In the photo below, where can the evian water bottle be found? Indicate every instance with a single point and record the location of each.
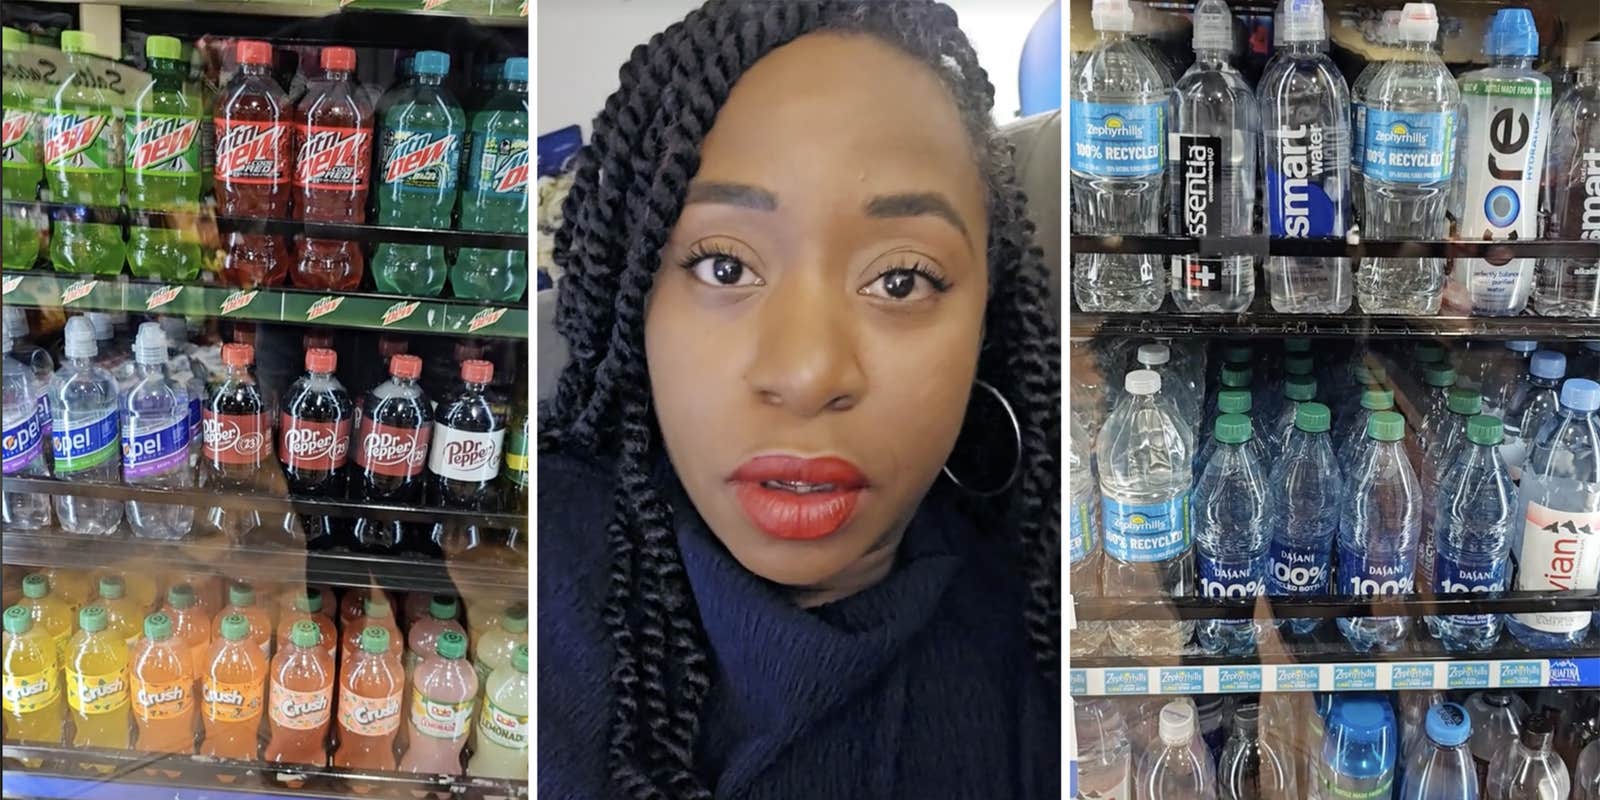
(1571, 286)
(391, 450)
(467, 437)
(314, 432)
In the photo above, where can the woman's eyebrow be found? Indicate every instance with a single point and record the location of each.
(732, 194)
(915, 204)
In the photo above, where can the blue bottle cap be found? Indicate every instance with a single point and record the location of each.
(431, 62)
(1364, 721)
(516, 69)
(1581, 394)
(1522, 345)
(1448, 725)
(1512, 33)
(1548, 364)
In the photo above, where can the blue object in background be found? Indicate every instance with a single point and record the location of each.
(558, 147)
(1039, 74)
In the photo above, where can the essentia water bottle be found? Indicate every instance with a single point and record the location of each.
(1231, 534)
(163, 166)
(333, 131)
(314, 430)
(495, 197)
(1505, 126)
(1118, 135)
(83, 163)
(84, 432)
(1305, 123)
(237, 430)
(468, 435)
(1570, 287)
(155, 439)
(24, 444)
(391, 450)
(1476, 512)
(1303, 518)
(1410, 151)
(1560, 501)
(1379, 523)
(420, 165)
(253, 165)
(22, 168)
(1215, 131)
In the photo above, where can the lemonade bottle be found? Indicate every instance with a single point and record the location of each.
(495, 647)
(235, 691)
(370, 687)
(47, 611)
(443, 611)
(190, 625)
(97, 682)
(123, 615)
(307, 607)
(502, 741)
(443, 698)
(301, 699)
(32, 681)
(242, 601)
(162, 679)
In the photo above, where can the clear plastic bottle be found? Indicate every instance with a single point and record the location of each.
(1360, 748)
(1439, 767)
(1305, 122)
(155, 439)
(1173, 769)
(1496, 725)
(1230, 401)
(191, 373)
(1504, 374)
(1477, 506)
(501, 749)
(1438, 378)
(1529, 769)
(1534, 399)
(1379, 523)
(1117, 137)
(1373, 401)
(1177, 390)
(1450, 436)
(1570, 287)
(1303, 518)
(1105, 765)
(1253, 765)
(1388, 40)
(1586, 777)
(1231, 534)
(1084, 555)
(24, 444)
(1296, 390)
(1410, 150)
(84, 432)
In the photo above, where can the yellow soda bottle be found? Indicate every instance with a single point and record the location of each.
(97, 683)
(138, 584)
(123, 614)
(71, 586)
(48, 611)
(32, 681)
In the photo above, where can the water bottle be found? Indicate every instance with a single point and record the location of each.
(1534, 401)
(1118, 131)
(155, 439)
(1212, 157)
(1176, 388)
(1504, 374)
(1173, 769)
(1412, 708)
(1303, 518)
(1477, 507)
(1441, 766)
(1438, 378)
(192, 374)
(1388, 40)
(1570, 287)
(1449, 437)
(1560, 501)
(1083, 537)
(1529, 769)
(1409, 149)
(1379, 523)
(1348, 419)
(1212, 713)
(1496, 725)
(1360, 748)
(1231, 401)
(24, 445)
(1254, 766)
(1230, 533)
(84, 433)
(1105, 770)
(1373, 401)
(1296, 390)
(1305, 122)
(1144, 463)
(1586, 778)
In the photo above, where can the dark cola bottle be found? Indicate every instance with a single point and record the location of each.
(464, 460)
(236, 451)
(391, 452)
(314, 443)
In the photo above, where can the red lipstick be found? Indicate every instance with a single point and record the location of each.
(788, 497)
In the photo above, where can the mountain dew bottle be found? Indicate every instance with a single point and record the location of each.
(22, 165)
(421, 165)
(496, 195)
(83, 164)
(163, 166)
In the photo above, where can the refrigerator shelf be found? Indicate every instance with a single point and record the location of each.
(1332, 607)
(1353, 247)
(501, 13)
(1264, 322)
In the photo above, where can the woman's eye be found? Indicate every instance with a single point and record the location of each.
(901, 284)
(724, 271)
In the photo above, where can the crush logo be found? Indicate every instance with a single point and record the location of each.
(154, 142)
(67, 135)
(171, 694)
(227, 697)
(332, 157)
(1401, 133)
(1300, 166)
(16, 127)
(372, 714)
(111, 688)
(1114, 126)
(511, 174)
(294, 709)
(416, 153)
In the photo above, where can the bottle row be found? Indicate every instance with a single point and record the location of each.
(269, 679)
(1496, 745)
(1312, 482)
(1304, 155)
(265, 157)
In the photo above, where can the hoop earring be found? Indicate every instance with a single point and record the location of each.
(1016, 465)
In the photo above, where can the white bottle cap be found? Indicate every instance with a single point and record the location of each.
(101, 323)
(1177, 723)
(1419, 22)
(16, 322)
(150, 345)
(1153, 355)
(1301, 21)
(1213, 26)
(79, 339)
(1142, 382)
(1112, 15)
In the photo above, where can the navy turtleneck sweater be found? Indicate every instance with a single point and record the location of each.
(922, 686)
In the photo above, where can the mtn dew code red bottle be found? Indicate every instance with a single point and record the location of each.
(421, 163)
(83, 164)
(253, 163)
(333, 129)
(163, 166)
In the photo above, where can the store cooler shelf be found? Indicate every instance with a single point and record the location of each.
(482, 12)
(1333, 606)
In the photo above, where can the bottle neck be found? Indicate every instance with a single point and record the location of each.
(476, 388)
(429, 80)
(1512, 62)
(1414, 50)
(337, 74)
(1304, 47)
(1211, 57)
(255, 70)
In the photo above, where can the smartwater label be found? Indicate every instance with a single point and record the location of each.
(1117, 140)
(1508, 128)
(1143, 533)
(1304, 197)
(1408, 147)
(157, 451)
(1453, 577)
(1361, 575)
(1080, 530)
(80, 445)
(1230, 578)
(1560, 551)
(1294, 570)
(23, 441)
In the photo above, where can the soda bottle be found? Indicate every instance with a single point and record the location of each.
(514, 475)
(32, 680)
(49, 611)
(301, 698)
(162, 680)
(238, 440)
(123, 614)
(155, 439)
(315, 429)
(421, 162)
(24, 441)
(1476, 513)
(375, 613)
(1439, 767)
(235, 688)
(391, 451)
(467, 438)
(353, 605)
(443, 615)
(82, 149)
(325, 605)
(502, 740)
(191, 626)
(242, 603)
(1231, 537)
(308, 606)
(1379, 522)
(1570, 287)
(254, 124)
(494, 648)
(333, 125)
(1529, 768)
(84, 433)
(443, 697)
(22, 166)
(495, 197)
(371, 684)
(97, 683)
(163, 167)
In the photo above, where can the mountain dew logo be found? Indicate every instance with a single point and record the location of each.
(410, 155)
(18, 123)
(511, 174)
(69, 136)
(170, 142)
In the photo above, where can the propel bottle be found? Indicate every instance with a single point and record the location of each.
(1506, 122)
(1305, 124)
(333, 127)
(1570, 287)
(22, 168)
(391, 451)
(496, 194)
(83, 431)
(421, 164)
(254, 160)
(467, 438)
(314, 431)
(83, 164)
(163, 167)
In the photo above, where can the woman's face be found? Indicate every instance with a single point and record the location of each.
(813, 332)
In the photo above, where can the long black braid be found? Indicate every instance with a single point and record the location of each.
(627, 193)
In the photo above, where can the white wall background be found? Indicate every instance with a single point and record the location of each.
(582, 43)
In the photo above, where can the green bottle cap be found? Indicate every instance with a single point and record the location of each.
(1233, 429)
(1439, 376)
(1466, 402)
(1429, 353)
(451, 645)
(242, 595)
(157, 626)
(18, 620)
(516, 619)
(376, 607)
(35, 585)
(1485, 430)
(1238, 354)
(166, 47)
(519, 659)
(1300, 388)
(111, 587)
(77, 42)
(374, 639)
(15, 39)
(1377, 399)
(234, 627)
(442, 606)
(1298, 365)
(1386, 426)
(92, 619)
(180, 596)
(1297, 345)
(1370, 374)
(1233, 401)
(309, 602)
(1312, 417)
(305, 633)
(1236, 377)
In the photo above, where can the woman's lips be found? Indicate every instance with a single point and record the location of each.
(794, 498)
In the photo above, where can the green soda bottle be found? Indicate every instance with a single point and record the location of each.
(163, 166)
(496, 195)
(83, 164)
(23, 169)
(421, 165)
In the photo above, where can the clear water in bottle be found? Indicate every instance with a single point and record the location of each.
(1360, 748)
(1476, 513)
(1253, 765)
(1504, 373)
(1083, 537)
(1230, 534)
(1533, 400)
(155, 439)
(24, 445)
(1449, 437)
(84, 433)
(1388, 40)
(1586, 777)
(1529, 769)
(1379, 523)
(1439, 766)
(1496, 725)
(1570, 287)
(1173, 768)
(1303, 515)
(1105, 769)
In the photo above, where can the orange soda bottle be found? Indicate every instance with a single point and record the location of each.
(235, 691)
(242, 601)
(190, 625)
(328, 605)
(370, 688)
(307, 606)
(97, 682)
(353, 604)
(379, 613)
(162, 678)
(301, 698)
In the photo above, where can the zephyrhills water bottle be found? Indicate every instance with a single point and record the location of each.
(1105, 769)
(1477, 509)
(155, 439)
(1212, 157)
(1117, 139)
(1570, 287)
(1360, 748)
(84, 432)
(1560, 501)
(1529, 769)
(1440, 766)
(1083, 537)
(1173, 768)
(1144, 464)
(1305, 123)
(1410, 150)
(1379, 523)
(1230, 533)
(24, 445)
(1388, 40)
(1506, 125)
(1254, 765)
(1303, 514)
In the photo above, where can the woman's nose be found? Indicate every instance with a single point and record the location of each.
(806, 357)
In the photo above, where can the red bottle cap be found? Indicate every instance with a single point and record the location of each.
(252, 51)
(477, 371)
(342, 59)
(406, 367)
(321, 359)
(238, 355)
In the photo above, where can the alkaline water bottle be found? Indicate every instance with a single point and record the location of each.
(1359, 749)
(1303, 522)
(1529, 769)
(1212, 153)
(1175, 769)
(1388, 40)
(24, 445)
(1230, 533)
(1118, 132)
(1570, 287)
(1379, 523)
(1476, 513)
(1305, 106)
(84, 432)
(1409, 149)
(1083, 537)
(1440, 768)
(155, 439)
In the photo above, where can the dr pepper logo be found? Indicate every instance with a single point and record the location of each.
(416, 153)
(70, 134)
(252, 152)
(333, 158)
(157, 141)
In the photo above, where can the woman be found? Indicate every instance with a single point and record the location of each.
(797, 270)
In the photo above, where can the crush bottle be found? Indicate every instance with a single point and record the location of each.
(163, 167)
(97, 683)
(32, 680)
(163, 684)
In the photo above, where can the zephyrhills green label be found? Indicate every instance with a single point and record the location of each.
(1371, 789)
(163, 144)
(500, 164)
(82, 141)
(1497, 87)
(18, 139)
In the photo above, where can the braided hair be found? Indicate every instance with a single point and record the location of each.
(628, 190)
